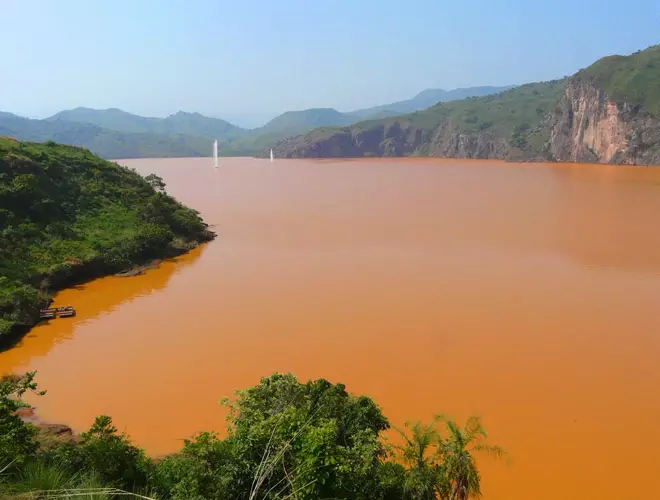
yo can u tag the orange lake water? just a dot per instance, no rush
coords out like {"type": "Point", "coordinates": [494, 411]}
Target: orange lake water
{"type": "Point", "coordinates": [528, 294]}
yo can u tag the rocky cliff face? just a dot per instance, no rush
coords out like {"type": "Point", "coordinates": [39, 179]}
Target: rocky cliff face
{"type": "Point", "coordinates": [590, 127]}
{"type": "Point", "coordinates": [448, 143]}
{"type": "Point", "coordinates": [395, 139]}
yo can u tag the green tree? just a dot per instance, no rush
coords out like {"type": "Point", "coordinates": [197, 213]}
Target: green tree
{"type": "Point", "coordinates": [425, 476]}
{"type": "Point", "coordinates": [107, 454]}
{"type": "Point", "coordinates": [457, 452]}
{"type": "Point", "coordinates": [206, 468]}
{"type": "Point", "coordinates": [391, 481]}
{"type": "Point", "coordinates": [17, 444]}
{"type": "Point", "coordinates": [444, 466]}
{"type": "Point", "coordinates": [155, 182]}
{"type": "Point", "coordinates": [310, 440]}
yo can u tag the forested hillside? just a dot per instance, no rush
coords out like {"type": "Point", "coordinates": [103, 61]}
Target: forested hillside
{"type": "Point", "coordinates": [66, 215]}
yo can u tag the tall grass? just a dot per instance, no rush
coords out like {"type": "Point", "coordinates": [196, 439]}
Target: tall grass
{"type": "Point", "coordinates": [40, 481]}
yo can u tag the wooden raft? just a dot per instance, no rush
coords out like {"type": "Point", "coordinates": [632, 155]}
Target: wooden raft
{"type": "Point", "coordinates": [54, 312]}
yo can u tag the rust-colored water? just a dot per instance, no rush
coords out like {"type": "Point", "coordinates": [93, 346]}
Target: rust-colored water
{"type": "Point", "coordinates": [527, 294]}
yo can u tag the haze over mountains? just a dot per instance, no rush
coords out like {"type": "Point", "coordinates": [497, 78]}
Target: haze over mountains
{"type": "Point", "coordinates": [425, 99]}
{"type": "Point", "coordinates": [608, 112]}
{"type": "Point", "coordinates": [178, 123]}
{"type": "Point", "coordinates": [113, 133]}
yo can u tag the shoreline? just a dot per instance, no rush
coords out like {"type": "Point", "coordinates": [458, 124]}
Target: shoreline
{"type": "Point", "coordinates": [140, 269]}
{"type": "Point", "coordinates": [50, 434]}
{"type": "Point", "coordinates": [82, 273]}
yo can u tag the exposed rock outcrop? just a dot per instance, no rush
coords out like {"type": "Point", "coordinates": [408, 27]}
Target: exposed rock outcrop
{"type": "Point", "coordinates": [591, 127]}
{"type": "Point", "coordinates": [580, 123]}
{"type": "Point", "coordinates": [48, 435]}
{"type": "Point", "coordinates": [446, 142]}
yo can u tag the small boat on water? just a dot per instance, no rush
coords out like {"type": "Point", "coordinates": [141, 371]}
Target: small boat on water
{"type": "Point", "coordinates": [54, 312]}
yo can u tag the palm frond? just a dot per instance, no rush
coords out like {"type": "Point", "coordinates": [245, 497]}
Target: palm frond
{"type": "Point", "coordinates": [493, 451]}
{"type": "Point", "coordinates": [473, 429]}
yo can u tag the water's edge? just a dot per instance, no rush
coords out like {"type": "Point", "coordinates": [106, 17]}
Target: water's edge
{"type": "Point", "coordinates": [84, 273]}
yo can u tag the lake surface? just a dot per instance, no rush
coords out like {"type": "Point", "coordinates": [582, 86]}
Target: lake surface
{"type": "Point", "coordinates": [527, 294]}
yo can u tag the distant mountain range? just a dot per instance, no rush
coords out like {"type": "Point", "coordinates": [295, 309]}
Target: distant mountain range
{"type": "Point", "coordinates": [178, 123]}
{"type": "Point", "coordinates": [104, 142]}
{"type": "Point", "coordinates": [113, 133]}
{"type": "Point", "coordinates": [425, 99]}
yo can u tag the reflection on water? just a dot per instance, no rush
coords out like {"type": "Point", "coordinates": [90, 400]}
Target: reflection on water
{"type": "Point", "coordinates": [604, 216]}
{"type": "Point", "coordinates": [92, 301]}
{"type": "Point", "coordinates": [526, 294]}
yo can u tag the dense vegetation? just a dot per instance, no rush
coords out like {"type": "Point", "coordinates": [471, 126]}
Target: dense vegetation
{"type": "Point", "coordinates": [67, 215]}
{"type": "Point", "coordinates": [285, 439]}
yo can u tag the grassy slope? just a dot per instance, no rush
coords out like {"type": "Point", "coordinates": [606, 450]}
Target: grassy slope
{"type": "Point", "coordinates": [300, 122]}
{"type": "Point", "coordinates": [633, 79]}
{"type": "Point", "coordinates": [67, 215]}
{"type": "Point", "coordinates": [517, 114]}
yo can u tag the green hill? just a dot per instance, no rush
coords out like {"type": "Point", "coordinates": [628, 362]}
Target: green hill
{"type": "Point", "coordinates": [293, 122]}
{"type": "Point", "coordinates": [633, 80]}
{"type": "Point", "coordinates": [67, 216]}
{"type": "Point", "coordinates": [104, 142]}
{"type": "Point", "coordinates": [180, 123]}
{"type": "Point", "coordinates": [564, 120]}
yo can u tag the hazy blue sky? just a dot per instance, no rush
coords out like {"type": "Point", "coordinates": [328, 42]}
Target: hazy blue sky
{"type": "Point", "coordinates": [155, 57]}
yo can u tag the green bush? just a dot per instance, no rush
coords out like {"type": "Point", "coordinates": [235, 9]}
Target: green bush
{"type": "Point", "coordinates": [108, 455]}
{"type": "Point", "coordinates": [206, 467]}
{"type": "Point", "coordinates": [17, 444]}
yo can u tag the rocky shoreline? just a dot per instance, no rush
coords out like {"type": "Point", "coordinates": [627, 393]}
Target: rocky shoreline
{"type": "Point", "coordinates": [49, 435]}
{"type": "Point", "coordinates": [139, 270]}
